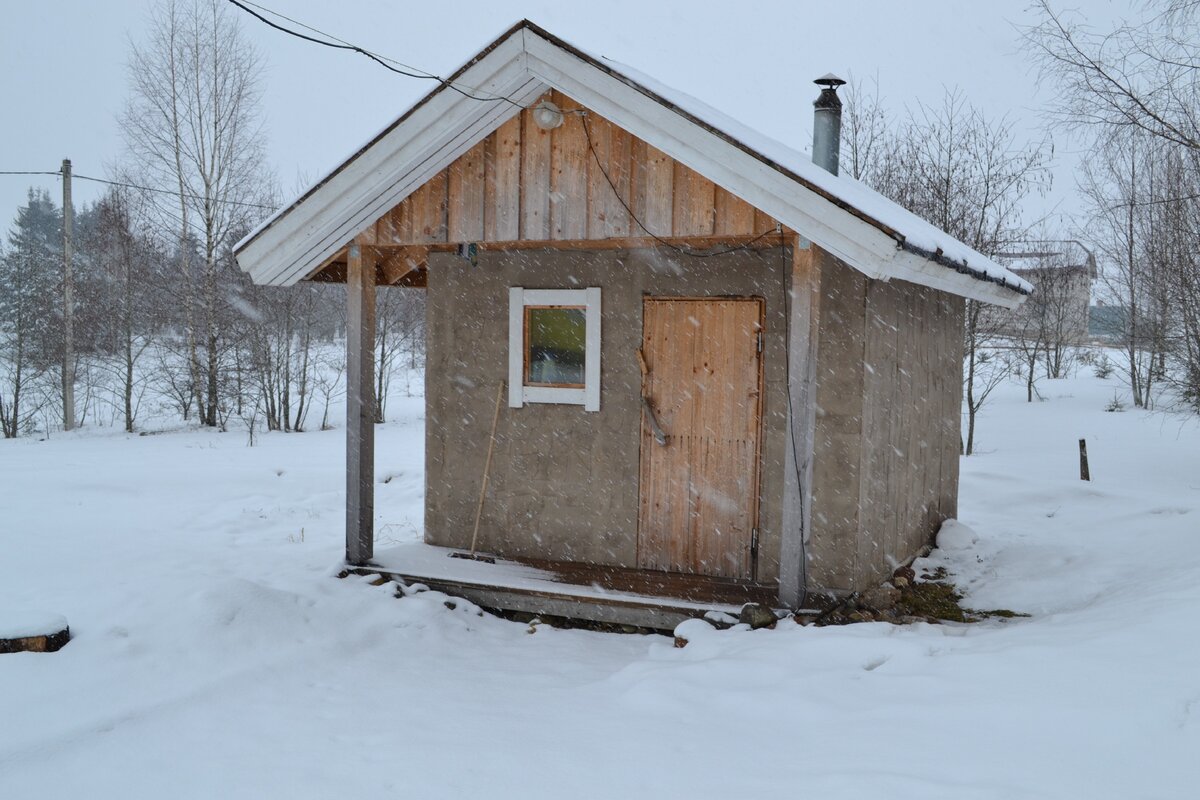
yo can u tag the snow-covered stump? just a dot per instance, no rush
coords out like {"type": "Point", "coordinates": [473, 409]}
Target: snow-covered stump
{"type": "Point", "coordinates": [34, 633]}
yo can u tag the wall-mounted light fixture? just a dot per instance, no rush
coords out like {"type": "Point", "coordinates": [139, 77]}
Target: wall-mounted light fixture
{"type": "Point", "coordinates": [547, 116]}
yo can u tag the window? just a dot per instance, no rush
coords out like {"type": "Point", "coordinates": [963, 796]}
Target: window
{"type": "Point", "coordinates": [554, 347]}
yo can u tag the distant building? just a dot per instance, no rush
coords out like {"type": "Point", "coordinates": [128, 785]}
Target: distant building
{"type": "Point", "coordinates": [1062, 271]}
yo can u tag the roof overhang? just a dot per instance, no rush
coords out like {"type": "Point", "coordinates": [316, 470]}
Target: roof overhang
{"type": "Point", "coordinates": [523, 64]}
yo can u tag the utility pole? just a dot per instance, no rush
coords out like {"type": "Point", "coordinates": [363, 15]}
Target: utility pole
{"type": "Point", "coordinates": [68, 360]}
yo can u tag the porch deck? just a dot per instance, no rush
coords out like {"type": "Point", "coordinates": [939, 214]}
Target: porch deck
{"type": "Point", "coordinates": [614, 595]}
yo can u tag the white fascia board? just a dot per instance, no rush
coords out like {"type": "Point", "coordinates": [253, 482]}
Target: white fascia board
{"type": "Point", "coordinates": [305, 236]}
{"type": "Point", "coordinates": [834, 229]}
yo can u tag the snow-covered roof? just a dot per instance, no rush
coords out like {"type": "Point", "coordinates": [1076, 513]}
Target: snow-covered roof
{"type": "Point", "coordinates": [1034, 256]}
{"type": "Point", "coordinates": [841, 215]}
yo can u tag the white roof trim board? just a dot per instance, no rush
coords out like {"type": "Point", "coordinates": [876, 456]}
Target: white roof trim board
{"type": "Point", "coordinates": [843, 216]}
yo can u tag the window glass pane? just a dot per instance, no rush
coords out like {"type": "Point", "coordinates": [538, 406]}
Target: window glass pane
{"type": "Point", "coordinates": [555, 345]}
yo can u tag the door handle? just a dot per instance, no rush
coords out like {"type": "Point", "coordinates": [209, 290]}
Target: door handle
{"type": "Point", "coordinates": [659, 435]}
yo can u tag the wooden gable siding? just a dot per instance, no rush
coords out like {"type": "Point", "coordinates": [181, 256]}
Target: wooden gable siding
{"type": "Point", "coordinates": [522, 183]}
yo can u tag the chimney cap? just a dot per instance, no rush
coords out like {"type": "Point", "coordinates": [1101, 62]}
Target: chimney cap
{"type": "Point", "coordinates": [829, 81]}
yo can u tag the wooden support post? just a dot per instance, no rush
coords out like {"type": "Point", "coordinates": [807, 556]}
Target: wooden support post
{"type": "Point", "coordinates": [803, 310]}
{"type": "Point", "coordinates": [1085, 474]}
{"type": "Point", "coordinates": [68, 352]}
{"type": "Point", "coordinates": [360, 405]}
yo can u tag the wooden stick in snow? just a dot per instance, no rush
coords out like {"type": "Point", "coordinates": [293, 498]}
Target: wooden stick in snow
{"type": "Point", "coordinates": [487, 467]}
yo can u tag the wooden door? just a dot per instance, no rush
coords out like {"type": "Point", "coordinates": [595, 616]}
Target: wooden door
{"type": "Point", "coordinates": [699, 491]}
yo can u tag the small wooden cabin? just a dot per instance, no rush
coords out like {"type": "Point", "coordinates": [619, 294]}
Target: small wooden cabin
{"type": "Point", "coordinates": [724, 373]}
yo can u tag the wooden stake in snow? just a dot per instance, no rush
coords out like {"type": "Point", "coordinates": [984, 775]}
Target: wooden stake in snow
{"type": "Point", "coordinates": [1084, 473]}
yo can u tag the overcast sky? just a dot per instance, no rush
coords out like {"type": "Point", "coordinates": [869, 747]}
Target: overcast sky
{"type": "Point", "coordinates": [63, 81]}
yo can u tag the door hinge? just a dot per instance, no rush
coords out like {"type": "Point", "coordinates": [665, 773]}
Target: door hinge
{"type": "Point", "coordinates": [754, 541]}
{"type": "Point", "coordinates": [760, 333]}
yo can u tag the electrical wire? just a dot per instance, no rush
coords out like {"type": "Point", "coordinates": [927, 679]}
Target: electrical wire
{"type": "Point", "coordinates": [664, 242]}
{"type": "Point", "coordinates": [383, 61]}
{"type": "Point", "coordinates": [414, 72]}
{"type": "Point", "coordinates": [788, 299]}
{"type": "Point", "coordinates": [173, 192]}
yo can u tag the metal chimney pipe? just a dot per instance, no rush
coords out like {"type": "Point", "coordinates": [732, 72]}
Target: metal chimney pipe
{"type": "Point", "coordinates": [827, 124]}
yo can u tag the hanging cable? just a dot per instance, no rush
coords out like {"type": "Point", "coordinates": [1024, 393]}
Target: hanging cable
{"type": "Point", "coordinates": [583, 115]}
{"type": "Point", "coordinates": [788, 299]}
{"type": "Point", "coordinates": [340, 44]}
{"type": "Point", "coordinates": [176, 193]}
{"type": "Point", "coordinates": [123, 184]}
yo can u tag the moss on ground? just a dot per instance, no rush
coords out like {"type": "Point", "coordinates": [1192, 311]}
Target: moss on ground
{"type": "Point", "coordinates": [932, 598]}
{"type": "Point", "coordinates": [935, 596]}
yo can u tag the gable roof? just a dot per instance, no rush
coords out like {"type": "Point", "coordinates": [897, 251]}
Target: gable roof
{"type": "Point", "coordinates": [841, 215]}
{"type": "Point", "coordinates": [1035, 256]}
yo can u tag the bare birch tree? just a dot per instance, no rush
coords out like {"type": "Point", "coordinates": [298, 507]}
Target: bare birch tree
{"type": "Point", "coordinates": [192, 123]}
{"type": "Point", "coordinates": [1142, 75]}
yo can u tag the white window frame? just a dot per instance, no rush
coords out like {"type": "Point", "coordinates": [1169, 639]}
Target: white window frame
{"type": "Point", "coordinates": [518, 392]}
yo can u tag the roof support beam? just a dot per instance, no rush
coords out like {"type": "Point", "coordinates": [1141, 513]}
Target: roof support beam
{"type": "Point", "coordinates": [360, 404]}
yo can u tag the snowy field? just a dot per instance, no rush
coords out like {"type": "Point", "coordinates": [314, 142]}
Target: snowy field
{"type": "Point", "coordinates": [215, 656]}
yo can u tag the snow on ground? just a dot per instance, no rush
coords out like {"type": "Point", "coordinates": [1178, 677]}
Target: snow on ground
{"type": "Point", "coordinates": [214, 654]}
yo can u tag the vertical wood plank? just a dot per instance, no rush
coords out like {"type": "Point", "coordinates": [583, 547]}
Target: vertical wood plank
{"type": "Point", "coordinates": [693, 203]}
{"type": "Point", "coordinates": [434, 226]}
{"type": "Point", "coordinates": [607, 216]}
{"type": "Point", "coordinates": [464, 221]}
{"type": "Point", "coordinates": [387, 227]}
{"type": "Point", "coordinates": [653, 178]}
{"type": "Point", "coordinates": [403, 216]}
{"type": "Point", "coordinates": [568, 174]}
{"type": "Point", "coordinates": [734, 216]}
{"type": "Point", "coordinates": [360, 405]}
{"type": "Point", "coordinates": [763, 222]}
{"type": "Point", "coordinates": [502, 183]}
{"type": "Point", "coordinates": [535, 180]}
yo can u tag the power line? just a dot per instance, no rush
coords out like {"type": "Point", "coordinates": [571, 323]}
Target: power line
{"type": "Point", "coordinates": [383, 61]}
{"type": "Point", "coordinates": [175, 193]}
{"type": "Point", "coordinates": [172, 192]}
